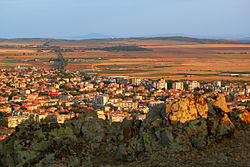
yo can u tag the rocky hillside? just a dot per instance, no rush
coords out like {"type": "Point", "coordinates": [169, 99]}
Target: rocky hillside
{"type": "Point", "coordinates": [187, 132]}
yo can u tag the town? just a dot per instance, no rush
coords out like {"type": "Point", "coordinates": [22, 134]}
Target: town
{"type": "Point", "coordinates": [30, 94]}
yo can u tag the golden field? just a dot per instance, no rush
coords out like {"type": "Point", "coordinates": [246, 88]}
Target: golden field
{"type": "Point", "coordinates": [12, 57]}
{"type": "Point", "coordinates": [164, 58]}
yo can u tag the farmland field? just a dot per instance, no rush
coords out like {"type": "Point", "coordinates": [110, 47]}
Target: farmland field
{"type": "Point", "coordinates": [170, 58]}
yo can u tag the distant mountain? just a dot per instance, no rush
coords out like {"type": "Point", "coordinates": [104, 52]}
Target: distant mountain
{"type": "Point", "coordinates": [245, 39]}
{"type": "Point", "coordinates": [88, 36]}
{"type": "Point", "coordinates": [167, 35]}
{"type": "Point", "coordinates": [96, 38]}
{"type": "Point", "coordinates": [103, 36]}
{"type": "Point", "coordinates": [241, 37]}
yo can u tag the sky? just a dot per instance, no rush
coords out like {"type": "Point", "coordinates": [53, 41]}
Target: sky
{"type": "Point", "coordinates": [123, 18]}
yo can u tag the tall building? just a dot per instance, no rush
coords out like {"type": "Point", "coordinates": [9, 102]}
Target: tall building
{"type": "Point", "coordinates": [101, 99]}
{"type": "Point", "coordinates": [178, 85]}
{"type": "Point", "coordinates": [13, 121]}
{"type": "Point", "coordinates": [136, 81]}
{"type": "Point", "coordinates": [217, 84]}
{"type": "Point", "coordinates": [247, 90]}
{"type": "Point", "coordinates": [161, 84]}
{"type": "Point", "coordinates": [193, 84]}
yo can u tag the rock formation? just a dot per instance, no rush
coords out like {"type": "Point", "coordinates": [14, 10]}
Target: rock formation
{"type": "Point", "coordinates": [183, 125]}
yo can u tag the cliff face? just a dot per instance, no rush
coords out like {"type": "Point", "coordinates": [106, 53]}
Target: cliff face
{"type": "Point", "coordinates": [182, 126]}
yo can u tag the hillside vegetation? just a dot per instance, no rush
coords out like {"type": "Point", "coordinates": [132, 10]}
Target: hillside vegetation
{"type": "Point", "coordinates": [187, 132]}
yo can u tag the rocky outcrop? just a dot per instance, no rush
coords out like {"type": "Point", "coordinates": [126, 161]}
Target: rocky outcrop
{"type": "Point", "coordinates": [187, 109]}
{"type": "Point", "coordinates": [219, 101]}
{"type": "Point", "coordinates": [180, 126]}
{"type": "Point", "coordinates": [241, 119]}
{"type": "Point", "coordinates": [245, 117]}
{"type": "Point", "coordinates": [74, 143]}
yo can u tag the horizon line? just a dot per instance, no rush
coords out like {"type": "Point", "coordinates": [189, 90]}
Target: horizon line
{"type": "Point", "coordinates": [78, 38]}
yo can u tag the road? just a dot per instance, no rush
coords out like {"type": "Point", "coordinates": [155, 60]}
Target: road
{"type": "Point", "coordinates": [61, 63]}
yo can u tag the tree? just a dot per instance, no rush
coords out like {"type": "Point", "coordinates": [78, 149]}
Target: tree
{"type": "Point", "coordinates": [197, 89]}
{"type": "Point", "coordinates": [185, 85]}
{"type": "Point", "coordinates": [23, 108]}
{"type": "Point", "coordinates": [197, 94]}
{"type": "Point", "coordinates": [48, 120]}
{"type": "Point", "coordinates": [28, 121]}
{"type": "Point", "coordinates": [13, 94]}
{"type": "Point", "coordinates": [3, 122]}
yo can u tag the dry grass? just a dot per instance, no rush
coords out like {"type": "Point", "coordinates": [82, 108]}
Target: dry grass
{"type": "Point", "coordinates": [12, 57]}
{"type": "Point", "coordinates": [17, 51]}
{"type": "Point", "coordinates": [172, 60]}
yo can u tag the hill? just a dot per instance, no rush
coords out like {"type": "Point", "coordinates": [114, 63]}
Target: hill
{"type": "Point", "coordinates": [187, 132]}
{"type": "Point", "coordinates": [103, 40]}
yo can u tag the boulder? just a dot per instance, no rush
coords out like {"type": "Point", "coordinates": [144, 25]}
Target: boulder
{"type": "Point", "coordinates": [197, 132]}
{"type": "Point", "coordinates": [240, 118]}
{"type": "Point", "coordinates": [175, 140]}
{"type": "Point", "coordinates": [245, 117]}
{"type": "Point", "coordinates": [219, 100]}
{"type": "Point", "coordinates": [130, 127]}
{"type": "Point", "coordinates": [219, 124]}
{"type": "Point", "coordinates": [157, 112]}
{"type": "Point", "coordinates": [225, 127]}
{"type": "Point", "coordinates": [188, 109]}
{"type": "Point", "coordinates": [201, 106]}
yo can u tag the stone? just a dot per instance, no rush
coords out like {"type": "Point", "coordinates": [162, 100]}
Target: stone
{"type": "Point", "coordinates": [177, 141]}
{"type": "Point", "coordinates": [245, 117]}
{"type": "Point", "coordinates": [184, 110]}
{"type": "Point", "coordinates": [158, 111]}
{"type": "Point", "coordinates": [219, 100]}
{"type": "Point", "coordinates": [201, 106]}
{"type": "Point", "coordinates": [197, 132]}
{"type": "Point", "coordinates": [130, 127]}
{"type": "Point", "coordinates": [225, 127]}
{"type": "Point", "coordinates": [240, 118]}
